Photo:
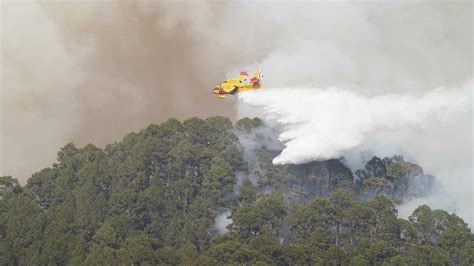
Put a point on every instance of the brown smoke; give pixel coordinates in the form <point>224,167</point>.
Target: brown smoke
<point>139,72</point>
<point>94,71</point>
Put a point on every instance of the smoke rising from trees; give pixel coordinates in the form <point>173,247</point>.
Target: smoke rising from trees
<point>94,71</point>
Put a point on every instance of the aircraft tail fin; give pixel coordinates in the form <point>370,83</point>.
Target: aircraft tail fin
<point>257,77</point>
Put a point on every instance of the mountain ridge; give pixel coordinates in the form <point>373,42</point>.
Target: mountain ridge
<point>153,197</point>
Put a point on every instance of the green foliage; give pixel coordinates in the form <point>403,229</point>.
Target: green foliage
<point>380,251</point>
<point>305,219</point>
<point>247,222</point>
<point>246,124</point>
<point>9,185</point>
<point>390,177</point>
<point>246,194</point>
<point>428,255</point>
<point>231,251</point>
<point>152,199</point>
<point>384,222</point>
<point>423,223</point>
<point>359,260</point>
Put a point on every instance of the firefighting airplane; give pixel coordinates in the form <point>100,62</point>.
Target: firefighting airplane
<point>238,84</point>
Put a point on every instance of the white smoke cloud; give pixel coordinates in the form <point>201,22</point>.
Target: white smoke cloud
<point>324,124</point>
<point>221,222</point>
<point>453,193</point>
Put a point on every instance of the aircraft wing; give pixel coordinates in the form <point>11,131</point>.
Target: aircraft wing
<point>243,76</point>
<point>233,80</point>
<point>229,89</point>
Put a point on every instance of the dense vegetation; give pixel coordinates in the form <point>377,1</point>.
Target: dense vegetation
<point>153,198</point>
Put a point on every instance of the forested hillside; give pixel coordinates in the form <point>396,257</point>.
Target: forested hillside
<point>153,198</point>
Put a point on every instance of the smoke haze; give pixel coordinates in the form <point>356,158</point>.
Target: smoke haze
<point>404,73</point>
<point>94,71</point>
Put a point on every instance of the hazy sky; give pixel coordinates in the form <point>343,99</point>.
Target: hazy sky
<point>92,71</point>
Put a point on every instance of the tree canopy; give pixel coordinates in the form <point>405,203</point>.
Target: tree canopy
<point>153,198</point>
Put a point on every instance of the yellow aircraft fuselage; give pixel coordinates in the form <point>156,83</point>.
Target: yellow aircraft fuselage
<point>239,84</point>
